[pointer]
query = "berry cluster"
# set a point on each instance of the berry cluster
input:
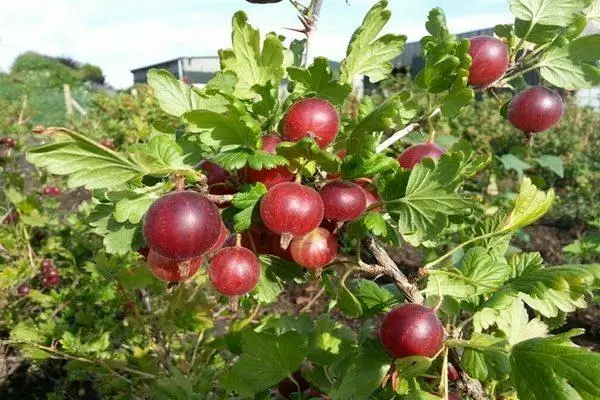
(51, 191)
(50, 274)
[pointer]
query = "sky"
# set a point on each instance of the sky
(120, 35)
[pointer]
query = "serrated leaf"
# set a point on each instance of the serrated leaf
(26, 332)
(121, 238)
(160, 156)
(275, 274)
(560, 69)
(531, 205)
(329, 341)
(307, 151)
(514, 322)
(298, 47)
(547, 12)
(355, 166)
(267, 359)
(422, 210)
(555, 368)
(248, 201)
(480, 272)
(346, 300)
(412, 367)
(394, 112)
(372, 223)
(251, 64)
(364, 372)
(373, 298)
(485, 357)
(233, 128)
(552, 163)
(318, 80)
(458, 97)
(176, 97)
(593, 12)
(87, 163)
(132, 205)
(238, 158)
(370, 56)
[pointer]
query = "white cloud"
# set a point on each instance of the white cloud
(120, 35)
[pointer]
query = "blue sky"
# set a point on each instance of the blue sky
(119, 35)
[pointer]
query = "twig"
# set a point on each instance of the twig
(219, 198)
(388, 267)
(312, 300)
(405, 131)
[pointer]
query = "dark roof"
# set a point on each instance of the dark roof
(167, 62)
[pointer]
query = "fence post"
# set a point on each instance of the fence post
(68, 100)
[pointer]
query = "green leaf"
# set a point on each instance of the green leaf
(593, 13)
(132, 205)
(252, 65)
(298, 47)
(391, 114)
(372, 223)
(122, 237)
(248, 201)
(480, 272)
(586, 48)
(485, 357)
(276, 273)
(559, 68)
(555, 368)
(355, 166)
(374, 299)
(510, 161)
(238, 158)
(176, 97)
(531, 205)
(267, 359)
(223, 82)
(346, 300)
(87, 163)
(234, 128)
(160, 156)
(318, 80)
(412, 367)
(370, 56)
(458, 97)
(423, 209)
(329, 341)
(363, 374)
(447, 63)
(547, 12)
(514, 322)
(552, 163)
(306, 154)
(26, 332)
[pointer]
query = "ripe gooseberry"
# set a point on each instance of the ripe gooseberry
(46, 264)
(315, 250)
(234, 271)
(47, 191)
(55, 190)
(343, 201)
(222, 238)
(370, 193)
(290, 208)
(170, 270)
(214, 173)
(52, 271)
(412, 330)
(489, 60)
(182, 225)
(452, 373)
(535, 109)
(273, 176)
(51, 281)
(416, 153)
(315, 118)
(23, 290)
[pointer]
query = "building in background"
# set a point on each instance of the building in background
(193, 70)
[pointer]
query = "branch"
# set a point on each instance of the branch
(405, 131)
(387, 266)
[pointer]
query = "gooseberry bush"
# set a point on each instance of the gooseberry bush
(279, 175)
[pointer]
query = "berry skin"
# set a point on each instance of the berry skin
(222, 238)
(292, 209)
(169, 270)
(108, 143)
(452, 373)
(370, 193)
(234, 271)
(46, 264)
(11, 218)
(490, 60)
(262, 241)
(51, 281)
(47, 191)
(343, 201)
(52, 271)
(55, 191)
(273, 176)
(315, 250)
(8, 142)
(214, 173)
(414, 154)
(315, 118)
(182, 225)
(412, 330)
(535, 109)
(23, 290)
